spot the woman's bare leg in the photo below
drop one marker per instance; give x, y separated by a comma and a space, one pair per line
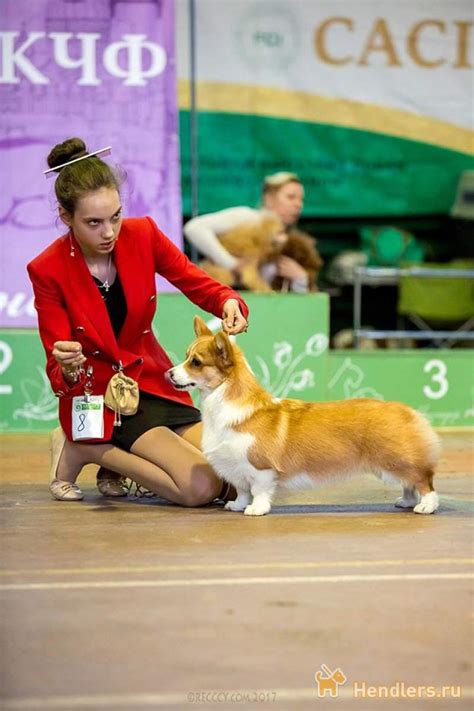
190, 433
76, 455
183, 462
193, 435
160, 461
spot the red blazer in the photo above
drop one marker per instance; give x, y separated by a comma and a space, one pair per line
70, 308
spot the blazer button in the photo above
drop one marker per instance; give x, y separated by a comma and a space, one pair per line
140, 361
147, 330
81, 329
59, 393
152, 298
95, 353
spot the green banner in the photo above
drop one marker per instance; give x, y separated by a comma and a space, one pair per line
346, 172
286, 347
437, 383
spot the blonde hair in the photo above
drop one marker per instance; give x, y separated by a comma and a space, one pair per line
272, 183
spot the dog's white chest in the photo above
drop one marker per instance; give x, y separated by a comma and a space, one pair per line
224, 448
227, 451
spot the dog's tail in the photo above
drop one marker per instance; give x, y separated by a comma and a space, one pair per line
431, 438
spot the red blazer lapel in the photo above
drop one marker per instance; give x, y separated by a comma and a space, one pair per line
89, 302
132, 273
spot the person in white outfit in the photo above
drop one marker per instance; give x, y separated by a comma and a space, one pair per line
283, 195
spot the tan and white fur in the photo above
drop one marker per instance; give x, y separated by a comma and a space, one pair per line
257, 241
257, 442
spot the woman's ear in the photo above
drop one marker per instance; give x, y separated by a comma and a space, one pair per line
268, 201
65, 216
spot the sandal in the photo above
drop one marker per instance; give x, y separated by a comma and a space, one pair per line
111, 484
65, 491
142, 493
227, 493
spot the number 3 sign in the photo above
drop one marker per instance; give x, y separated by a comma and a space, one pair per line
439, 377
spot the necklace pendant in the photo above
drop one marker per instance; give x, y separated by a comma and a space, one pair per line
106, 285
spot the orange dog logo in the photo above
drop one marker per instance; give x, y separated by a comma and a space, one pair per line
329, 682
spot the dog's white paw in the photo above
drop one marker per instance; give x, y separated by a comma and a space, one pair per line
257, 509
429, 503
235, 505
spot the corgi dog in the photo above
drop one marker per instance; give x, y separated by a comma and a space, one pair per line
257, 241
255, 441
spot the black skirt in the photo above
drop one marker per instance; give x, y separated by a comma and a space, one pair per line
153, 411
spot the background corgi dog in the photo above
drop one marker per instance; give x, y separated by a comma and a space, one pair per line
258, 241
257, 442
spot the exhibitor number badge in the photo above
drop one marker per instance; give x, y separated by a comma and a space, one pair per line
88, 417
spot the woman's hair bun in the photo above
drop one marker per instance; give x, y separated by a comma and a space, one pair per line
68, 150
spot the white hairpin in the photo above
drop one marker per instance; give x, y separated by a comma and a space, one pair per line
75, 160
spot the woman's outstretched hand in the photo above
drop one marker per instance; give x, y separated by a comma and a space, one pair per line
69, 356
233, 321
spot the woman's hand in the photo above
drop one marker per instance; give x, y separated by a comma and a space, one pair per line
290, 269
233, 321
69, 356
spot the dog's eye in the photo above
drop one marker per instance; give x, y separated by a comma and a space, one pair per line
195, 362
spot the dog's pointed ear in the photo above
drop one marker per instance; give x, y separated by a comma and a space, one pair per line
200, 328
224, 348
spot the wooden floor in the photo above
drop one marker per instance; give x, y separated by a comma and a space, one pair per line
134, 604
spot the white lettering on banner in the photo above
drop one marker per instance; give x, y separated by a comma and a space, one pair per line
135, 75
143, 59
381, 40
12, 58
87, 60
6, 357
439, 377
15, 305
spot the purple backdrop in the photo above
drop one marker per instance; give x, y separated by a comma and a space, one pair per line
103, 70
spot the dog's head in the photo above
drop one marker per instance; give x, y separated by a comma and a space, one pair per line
209, 361
302, 249
271, 234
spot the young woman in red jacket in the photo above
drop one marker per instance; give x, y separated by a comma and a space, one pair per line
95, 295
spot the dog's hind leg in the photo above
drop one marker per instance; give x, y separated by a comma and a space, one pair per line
429, 503
409, 499
423, 484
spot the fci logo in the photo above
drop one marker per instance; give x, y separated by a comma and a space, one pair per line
329, 681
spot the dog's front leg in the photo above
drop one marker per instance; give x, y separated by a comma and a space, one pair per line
262, 489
